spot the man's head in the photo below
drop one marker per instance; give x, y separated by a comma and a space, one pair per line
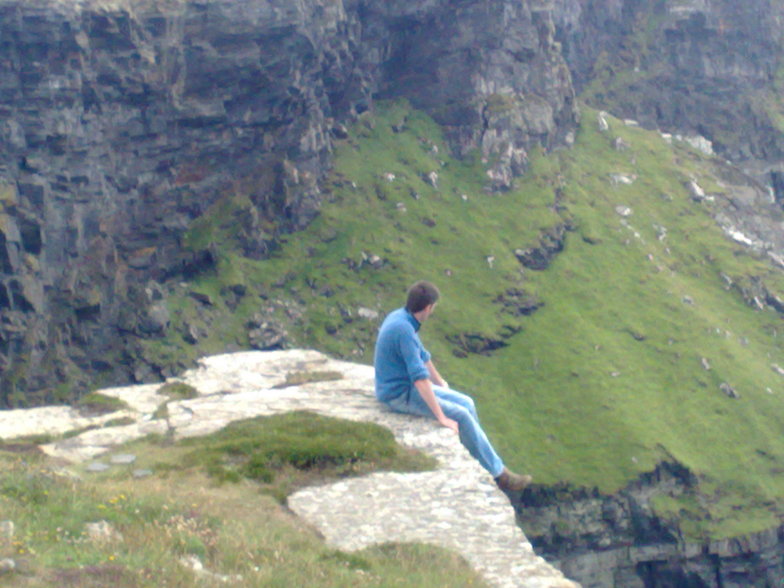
421, 296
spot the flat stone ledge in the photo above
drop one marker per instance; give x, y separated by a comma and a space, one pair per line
457, 506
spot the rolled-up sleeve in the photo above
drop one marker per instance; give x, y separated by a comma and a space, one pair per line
415, 356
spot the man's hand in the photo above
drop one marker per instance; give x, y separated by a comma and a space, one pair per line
425, 389
450, 424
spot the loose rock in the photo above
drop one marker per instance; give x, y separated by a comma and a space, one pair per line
729, 390
7, 529
102, 532
7, 565
123, 459
97, 467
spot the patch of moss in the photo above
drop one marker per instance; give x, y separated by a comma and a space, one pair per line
178, 391
263, 447
162, 412
96, 403
300, 378
121, 422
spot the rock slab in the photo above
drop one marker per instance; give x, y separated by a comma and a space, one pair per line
457, 506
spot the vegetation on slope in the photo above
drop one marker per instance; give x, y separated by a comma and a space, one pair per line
590, 371
239, 533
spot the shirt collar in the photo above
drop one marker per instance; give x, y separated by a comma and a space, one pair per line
412, 319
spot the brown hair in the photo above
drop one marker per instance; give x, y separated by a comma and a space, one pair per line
420, 295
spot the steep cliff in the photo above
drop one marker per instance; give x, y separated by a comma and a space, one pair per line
121, 123
688, 66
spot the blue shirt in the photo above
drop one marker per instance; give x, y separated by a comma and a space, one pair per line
400, 356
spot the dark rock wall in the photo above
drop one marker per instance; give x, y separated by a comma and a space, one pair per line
689, 66
618, 541
121, 123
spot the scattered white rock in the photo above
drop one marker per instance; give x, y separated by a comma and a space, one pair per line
620, 145
102, 532
667, 138
627, 179
7, 565
661, 231
373, 259
736, 235
688, 300
624, 211
401, 207
432, 179
97, 467
696, 191
464, 197
630, 122
779, 370
705, 363
729, 390
123, 459
490, 259
7, 529
367, 313
389, 177
601, 120
700, 143
777, 259
194, 563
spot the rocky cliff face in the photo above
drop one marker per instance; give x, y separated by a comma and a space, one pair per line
690, 66
122, 123
618, 540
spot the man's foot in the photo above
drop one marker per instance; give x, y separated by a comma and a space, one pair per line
511, 482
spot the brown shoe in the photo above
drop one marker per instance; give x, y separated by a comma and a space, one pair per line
511, 482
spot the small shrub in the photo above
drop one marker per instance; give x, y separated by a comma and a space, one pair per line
300, 378
178, 391
261, 447
96, 403
121, 422
162, 412
41, 439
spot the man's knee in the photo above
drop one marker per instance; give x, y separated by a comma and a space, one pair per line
463, 416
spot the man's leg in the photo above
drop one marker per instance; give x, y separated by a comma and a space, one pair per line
458, 407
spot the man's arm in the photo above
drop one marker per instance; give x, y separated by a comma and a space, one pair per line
435, 377
425, 389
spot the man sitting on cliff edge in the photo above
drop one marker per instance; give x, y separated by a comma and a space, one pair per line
408, 382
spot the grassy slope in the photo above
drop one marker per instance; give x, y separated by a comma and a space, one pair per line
605, 380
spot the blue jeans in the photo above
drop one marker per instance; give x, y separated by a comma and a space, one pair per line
458, 407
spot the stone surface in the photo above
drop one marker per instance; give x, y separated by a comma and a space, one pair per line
102, 532
122, 459
7, 529
97, 467
457, 506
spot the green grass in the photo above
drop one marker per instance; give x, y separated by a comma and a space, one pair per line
605, 380
234, 529
262, 448
96, 403
178, 391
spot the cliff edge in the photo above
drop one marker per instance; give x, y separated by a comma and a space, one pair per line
457, 506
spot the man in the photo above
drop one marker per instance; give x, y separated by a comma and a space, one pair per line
407, 381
